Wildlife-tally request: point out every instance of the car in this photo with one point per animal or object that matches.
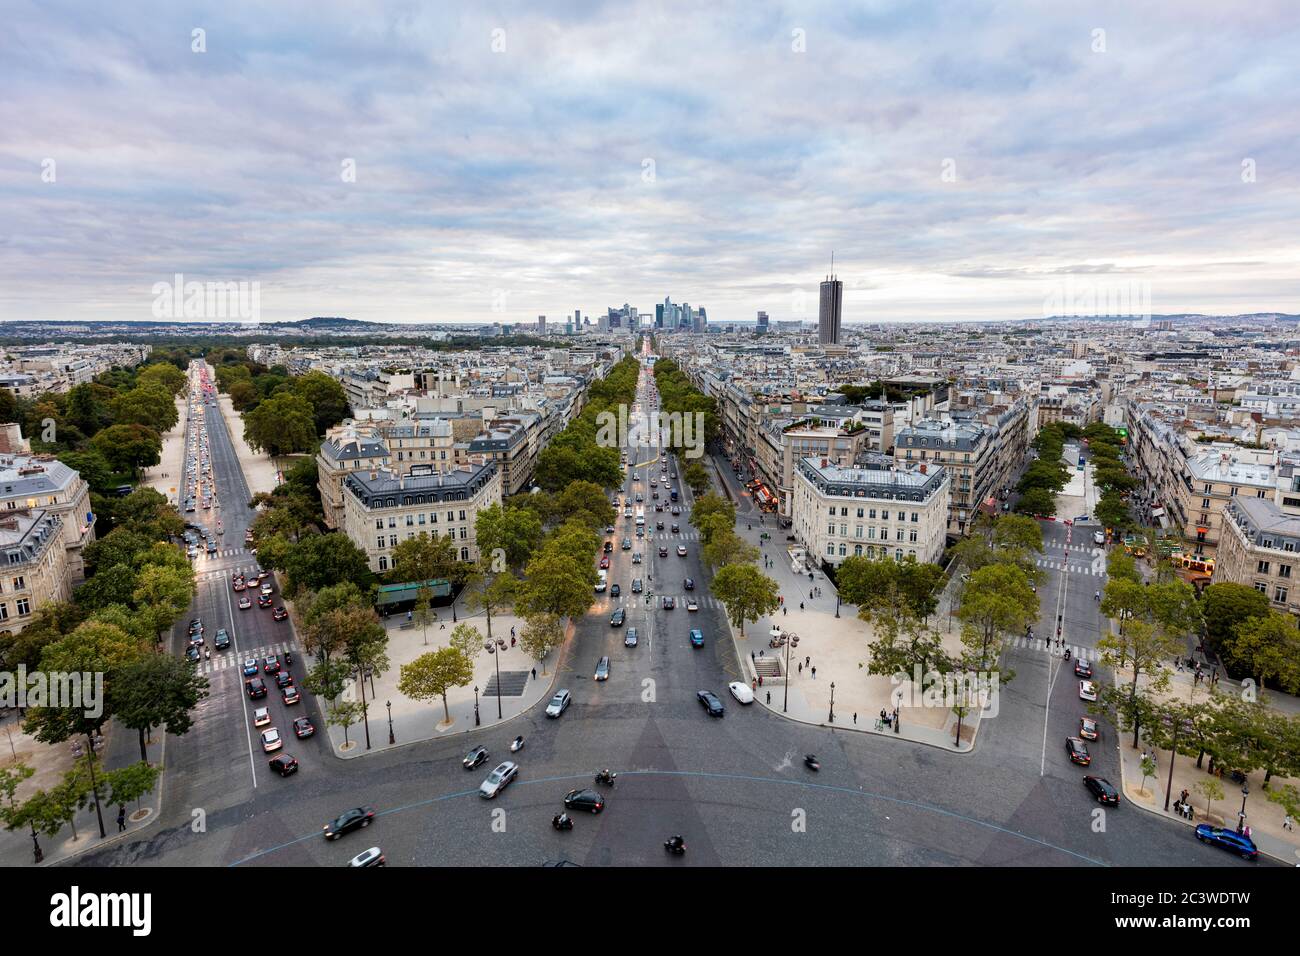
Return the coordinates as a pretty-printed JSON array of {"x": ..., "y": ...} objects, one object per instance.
[
  {"x": 636, "y": 557},
  {"x": 222, "y": 640},
  {"x": 617, "y": 618},
  {"x": 692, "y": 604},
  {"x": 659, "y": 526},
  {"x": 627, "y": 544},
  {"x": 372, "y": 857},
  {"x": 284, "y": 764},
  {"x": 271, "y": 740},
  {"x": 1088, "y": 729},
  {"x": 355, "y": 819},
  {"x": 500, "y": 778},
  {"x": 271, "y": 665},
  {"x": 1098, "y": 538},
  {"x": 637, "y": 586},
  {"x": 604, "y": 563},
  {"x": 615, "y": 590},
  {"x": 609, "y": 528},
  {"x": 640, "y": 497},
  {"x": 681, "y": 551},
  {"x": 636, "y": 476},
  {"x": 669, "y": 602},
  {"x": 609, "y": 547},
  {"x": 1100, "y": 788},
  {"x": 709, "y": 701},
  {"x": 193, "y": 654},
  {"x": 675, "y": 528},
  {"x": 239, "y": 585},
  {"x": 689, "y": 584},
  {"x": 629, "y": 639},
  {"x": 741, "y": 691},
  {"x": 640, "y": 533},
  {"x": 303, "y": 728},
  {"x": 261, "y": 716},
  {"x": 697, "y": 637},
  {"x": 588, "y": 800},
  {"x": 601, "y": 585},
  {"x": 1077, "y": 751},
  {"x": 279, "y": 614},
  {"x": 264, "y": 600},
  {"x": 559, "y": 703},
  {"x": 250, "y": 667},
  {"x": 1229, "y": 840},
  {"x": 1087, "y": 690},
  {"x": 291, "y": 695},
  {"x": 663, "y": 551},
  {"x": 256, "y": 688},
  {"x": 283, "y": 679},
  {"x": 245, "y": 603},
  {"x": 474, "y": 758},
  {"x": 267, "y": 588},
  {"x": 1082, "y": 668},
  {"x": 602, "y": 669}
]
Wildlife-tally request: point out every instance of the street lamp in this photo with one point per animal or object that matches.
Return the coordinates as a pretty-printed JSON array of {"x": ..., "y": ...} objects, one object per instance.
[
  {"x": 832, "y": 702},
  {"x": 391, "y": 739},
  {"x": 837, "y": 603},
  {"x": 476, "y": 705},
  {"x": 1241, "y": 815}
]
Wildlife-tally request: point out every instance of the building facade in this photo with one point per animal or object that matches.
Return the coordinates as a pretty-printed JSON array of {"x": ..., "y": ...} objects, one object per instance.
[{"x": 35, "y": 569}]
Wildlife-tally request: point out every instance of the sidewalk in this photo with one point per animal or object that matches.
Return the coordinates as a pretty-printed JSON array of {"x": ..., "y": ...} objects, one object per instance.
[
  {"x": 1264, "y": 816},
  {"x": 837, "y": 648},
  {"x": 415, "y": 721},
  {"x": 167, "y": 476}
]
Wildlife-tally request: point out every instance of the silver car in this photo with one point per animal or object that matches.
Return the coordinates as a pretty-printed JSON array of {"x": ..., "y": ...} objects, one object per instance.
[
  {"x": 602, "y": 669},
  {"x": 498, "y": 779},
  {"x": 559, "y": 703}
]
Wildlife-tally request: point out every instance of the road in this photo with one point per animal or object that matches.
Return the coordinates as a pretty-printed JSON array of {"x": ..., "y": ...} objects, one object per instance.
[{"x": 735, "y": 787}]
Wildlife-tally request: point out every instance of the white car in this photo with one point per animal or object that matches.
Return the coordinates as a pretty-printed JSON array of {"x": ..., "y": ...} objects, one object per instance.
[
  {"x": 271, "y": 741},
  {"x": 261, "y": 716},
  {"x": 559, "y": 703},
  {"x": 741, "y": 691},
  {"x": 498, "y": 779},
  {"x": 1098, "y": 537},
  {"x": 691, "y": 605},
  {"x": 1087, "y": 690},
  {"x": 681, "y": 550}
]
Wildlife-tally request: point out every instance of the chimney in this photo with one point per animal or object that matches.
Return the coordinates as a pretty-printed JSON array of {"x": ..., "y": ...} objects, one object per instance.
[{"x": 923, "y": 466}]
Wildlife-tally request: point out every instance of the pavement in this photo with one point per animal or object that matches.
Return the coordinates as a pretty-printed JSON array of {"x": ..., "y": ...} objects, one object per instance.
[
  {"x": 167, "y": 476},
  {"x": 524, "y": 683}
]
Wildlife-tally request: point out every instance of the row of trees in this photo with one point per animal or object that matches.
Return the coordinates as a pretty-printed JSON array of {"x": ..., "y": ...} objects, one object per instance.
[
  {"x": 282, "y": 414},
  {"x": 1251, "y": 637},
  {"x": 581, "y": 452},
  {"x": 744, "y": 590},
  {"x": 677, "y": 396}
]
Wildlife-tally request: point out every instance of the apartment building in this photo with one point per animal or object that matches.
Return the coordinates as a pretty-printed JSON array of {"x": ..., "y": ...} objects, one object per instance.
[
  {"x": 382, "y": 508},
  {"x": 34, "y": 571},
  {"x": 513, "y": 442},
  {"x": 31, "y": 482},
  {"x": 346, "y": 449},
  {"x": 1259, "y": 546},
  {"x": 875, "y": 509},
  {"x": 968, "y": 450},
  {"x": 1211, "y": 478},
  {"x": 783, "y": 443}
]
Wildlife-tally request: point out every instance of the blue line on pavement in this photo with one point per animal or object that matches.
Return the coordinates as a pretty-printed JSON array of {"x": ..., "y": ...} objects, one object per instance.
[{"x": 715, "y": 776}]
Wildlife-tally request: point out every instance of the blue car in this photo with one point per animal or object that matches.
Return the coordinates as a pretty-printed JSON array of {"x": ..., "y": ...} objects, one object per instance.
[
  {"x": 250, "y": 667},
  {"x": 697, "y": 637},
  {"x": 1229, "y": 840}
]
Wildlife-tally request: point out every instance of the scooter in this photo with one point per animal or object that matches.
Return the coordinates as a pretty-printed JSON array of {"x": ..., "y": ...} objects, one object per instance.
[
  {"x": 561, "y": 821},
  {"x": 811, "y": 762},
  {"x": 675, "y": 845},
  {"x": 605, "y": 777},
  {"x": 288, "y": 657},
  {"x": 517, "y": 745}
]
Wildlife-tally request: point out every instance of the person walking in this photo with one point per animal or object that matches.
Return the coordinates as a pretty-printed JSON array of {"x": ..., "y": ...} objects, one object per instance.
[
  {"x": 855, "y": 718},
  {"x": 807, "y": 661},
  {"x": 785, "y": 611},
  {"x": 883, "y": 716},
  {"x": 534, "y": 673},
  {"x": 801, "y": 605},
  {"x": 801, "y": 669},
  {"x": 814, "y": 673},
  {"x": 1288, "y": 823},
  {"x": 121, "y": 817},
  {"x": 769, "y": 697}
]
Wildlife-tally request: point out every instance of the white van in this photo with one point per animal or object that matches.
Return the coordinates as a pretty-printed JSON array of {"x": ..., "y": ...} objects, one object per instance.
[
  {"x": 640, "y": 517},
  {"x": 603, "y": 582}
]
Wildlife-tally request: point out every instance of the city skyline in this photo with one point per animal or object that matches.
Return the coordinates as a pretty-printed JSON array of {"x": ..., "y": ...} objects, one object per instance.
[{"x": 971, "y": 182}]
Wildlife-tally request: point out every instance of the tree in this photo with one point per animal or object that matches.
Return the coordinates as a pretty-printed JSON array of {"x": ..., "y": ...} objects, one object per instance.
[
  {"x": 113, "y": 585},
  {"x": 163, "y": 594},
  {"x": 1015, "y": 532},
  {"x": 998, "y": 601},
  {"x": 1211, "y": 789},
  {"x": 129, "y": 784},
  {"x": 326, "y": 398},
  {"x": 1227, "y": 605},
  {"x": 128, "y": 448},
  {"x": 727, "y": 547},
  {"x": 345, "y": 714},
  {"x": 559, "y": 580},
  {"x": 1144, "y": 649},
  {"x": 319, "y": 560},
  {"x": 158, "y": 690},
  {"x": 423, "y": 559},
  {"x": 280, "y": 425},
  {"x": 1123, "y": 600},
  {"x": 467, "y": 639},
  {"x": 1269, "y": 648},
  {"x": 709, "y": 505},
  {"x": 584, "y": 501},
  {"x": 91, "y": 466},
  {"x": 433, "y": 674},
  {"x": 1037, "y": 501},
  {"x": 541, "y": 633},
  {"x": 514, "y": 533},
  {"x": 243, "y": 395},
  {"x": 150, "y": 405},
  {"x": 696, "y": 477},
  {"x": 1121, "y": 565},
  {"x": 1112, "y": 511},
  {"x": 488, "y": 591},
  {"x": 746, "y": 592}
]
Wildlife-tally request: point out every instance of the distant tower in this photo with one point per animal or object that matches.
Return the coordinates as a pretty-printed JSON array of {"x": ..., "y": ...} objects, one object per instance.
[
  {"x": 828, "y": 315},
  {"x": 762, "y": 323},
  {"x": 541, "y": 325}
]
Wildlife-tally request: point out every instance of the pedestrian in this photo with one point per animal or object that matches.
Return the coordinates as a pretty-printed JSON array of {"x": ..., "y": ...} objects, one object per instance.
[
  {"x": 855, "y": 718},
  {"x": 785, "y": 610},
  {"x": 121, "y": 817},
  {"x": 408, "y": 615},
  {"x": 753, "y": 684},
  {"x": 814, "y": 673},
  {"x": 801, "y": 605},
  {"x": 512, "y": 632},
  {"x": 751, "y": 656},
  {"x": 883, "y": 716},
  {"x": 512, "y": 640},
  {"x": 534, "y": 673},
  {"x": 807, "y": 660},
  {"x": 801, "y": 669},
  {"x": 760, "y": 680},
  {"x": 810, "y": 595},
  {"x": 769, "y": 697},
  {"x": 1288, "y": 823}
]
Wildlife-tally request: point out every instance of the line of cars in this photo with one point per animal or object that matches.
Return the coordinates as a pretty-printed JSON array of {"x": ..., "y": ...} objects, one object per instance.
[
  {"x": 262, "y": 580},
  {"x": 256, "y": 675}
]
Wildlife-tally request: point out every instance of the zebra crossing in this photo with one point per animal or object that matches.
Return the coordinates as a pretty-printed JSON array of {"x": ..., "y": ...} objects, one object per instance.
[
  {"x": 228, "y": 659},
  {"x": 680, "y": 600},
  {"x": 1069, "y": 567},
  {"x": 1077, "y": 651}
]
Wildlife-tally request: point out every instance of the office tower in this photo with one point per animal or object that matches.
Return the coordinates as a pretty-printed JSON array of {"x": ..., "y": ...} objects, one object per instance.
[
  {"x": 541, "y": 325},
  {"x": 659, "y": 315},
  {"x": 828, "y": 314},
  {"x": 762, "y": 323},
  {"x": 700, "y": 321}
]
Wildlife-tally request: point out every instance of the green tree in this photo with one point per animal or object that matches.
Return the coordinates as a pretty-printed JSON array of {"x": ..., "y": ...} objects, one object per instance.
[
  {"x": 431, "y": 675},
  {"x": 1269, "y": 649},
  {"x": 727, "y": 547},
  {"x": 746, "y": 592},
  {"x": 326, "y": 398},
  {"x": 1143, "y": 649},
  {"x": 707, "y": 506},
  {"x": 158, "y": 690},
  {"x": 149, "y": 405},
  {"x": 1225, "y": 606},
  {"x": 319, "y": 560},
  {"x": 514, "y": 533},
  {"x": 129, "y": 784},
  {"x": 696, "y": 477},
  {"x": 1037, "y": 501},
  {"x": 1112, "y": 511},
  {"x": 998, "y": 602},
  {"x": 542, "y": 632},
  {"x": 128, "y": 448},
  {"x": 345, "y": 714},
  {"x": 283, "y": 424}
]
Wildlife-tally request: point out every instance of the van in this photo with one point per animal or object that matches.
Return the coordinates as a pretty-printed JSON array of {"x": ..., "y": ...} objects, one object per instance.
[{"x": 603, "y": 581}]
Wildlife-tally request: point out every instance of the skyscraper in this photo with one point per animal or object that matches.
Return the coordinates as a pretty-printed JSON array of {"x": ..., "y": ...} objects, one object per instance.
[
  {"x": 659, "y": 315},
  {"x": 762, "y": 323},
  {"x": 828, "y": 314},
  {"x": 541, "y": 325}
]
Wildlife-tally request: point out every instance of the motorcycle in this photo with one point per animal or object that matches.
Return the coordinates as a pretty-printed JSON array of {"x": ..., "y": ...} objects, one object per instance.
[
  {"x": 811, "y": 762},
  {"x": 517, "y": 745},
  {"x": 605, "y": 777},
  {"x": 288, "y": 657},
  {"x": 675, "y": 845},
  {"x": 561, "y": 821}
]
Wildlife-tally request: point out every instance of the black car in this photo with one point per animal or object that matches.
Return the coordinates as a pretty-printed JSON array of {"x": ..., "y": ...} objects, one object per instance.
[
  {"x": 615, "y": 590},
  {"x": 709, "y": 701},
  {"x": 303, "y": 727},
  {"x": 689, "y": 584},
  {"x": 256, "y": 688},
  {"x": 349, "y": 820},
  {"x": 617, "y": 618},
  {"x": 283, "y": 679},
  {"x": 1082, "y": 669},
  {"x": 271, "y": 665},
  {"x": 193, "y": 654},
  {"x": 588, "y": 800},
  {"x": 222, "y": 640},
  {"x": 1077, "y": 751},
  {"x": 663, "y": 551},
  {"x": 669, "y": 602},
  {"x": 474, "y": 758},
  {"x": 284, "y": 765},
  {"x": 1102, "y": 790}
]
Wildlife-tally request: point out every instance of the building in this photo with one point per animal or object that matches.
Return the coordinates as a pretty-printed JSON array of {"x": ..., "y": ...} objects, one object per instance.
[
  {"x": 541, "y": 325},
  {"x": 828, "y": 313},
  {"x": 35, "y": 567},
  {"x": 1260, "y": 546},
  {"x": 345, "y": 449},
  {"x": 513, "y": 442},
  {"x": 31, "y": 482},
  {"x": 1213, "y": 477},
  {"x": 762, "y": 323},
  {"x": 382, "y": 508},
  {"x": 875, "y": 509},
  {"x": 967, "y": 450}
]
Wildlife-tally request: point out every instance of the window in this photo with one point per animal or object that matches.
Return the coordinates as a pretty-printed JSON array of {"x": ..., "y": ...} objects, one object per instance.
[
  {"x": 462, "y": 514},
  {"x": 464, "y": 554},
  {"x": 830, "y": 529},
  {"x": 872, "y": 513},
  {"x": 1261, "y": 587},
  {"x": 1261, "y": 493},
  {"x": 1279, "y": 595},
  {"x": 421, "y": 517},
  {"x": 860, "y": 512},
  {"x": 871, "y": 532},
  {"x": 911, "y": 536},
  {"x": 857, "y": 531},
  {"x": 1284, "y": 570},
  {"x": 1262, "y": 567},
  {"x": 379, "y": 541},
  {"x": 392, "y": 540},
  {"x": 1205, "y": 502},
  {"x": 25, "y": 606},
  {"x": 410, "y": 521},
  {"x": 844, "y": 512},
  {"x": 1208, "y": 489},
  {"x": 463, "y": 533},
  {"x": 20, "y": 583},
  {"x": 379, "y": 523},
  {"x": 898, "y": 535},
  {"x": 916, "y": 516},
  {"x": 383, "y": 563},
  {"x": 392, "y": 521},
  {"x": 857, "y": 550},
  {"x": 844, "y": 530},
  {"x": 832, "y": 511},
  {"x": 843, "y": 549},
  {"x": 4, "y": 610},
  {"x": 830, "y": 550}
]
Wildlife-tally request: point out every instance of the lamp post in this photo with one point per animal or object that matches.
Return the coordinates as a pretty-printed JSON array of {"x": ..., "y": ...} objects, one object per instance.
[
  {"x": 785, "y": 706},
  {"x": 476, "y": 705},
  {"x": 1241, "y": 815},
  {"x": 832, "y": 702},
  {"x": 837, "y": 603},
  {"x": 391, "y": 739}
]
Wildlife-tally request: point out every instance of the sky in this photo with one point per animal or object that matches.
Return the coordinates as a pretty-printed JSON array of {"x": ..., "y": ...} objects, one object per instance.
[{"x": 480, "y": 162}]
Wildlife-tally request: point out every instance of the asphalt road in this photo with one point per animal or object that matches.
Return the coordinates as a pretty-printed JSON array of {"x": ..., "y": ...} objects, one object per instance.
[{"x": 735, "y": 787}]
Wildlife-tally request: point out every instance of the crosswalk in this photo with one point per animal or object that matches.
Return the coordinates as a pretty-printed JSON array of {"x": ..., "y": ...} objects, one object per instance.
[
  {"x": 1070, "y": 567},
  {"x": 629, "y": 600},
  {"x": 228, "y": 659},
  {"x": 1077, "y": 651}
]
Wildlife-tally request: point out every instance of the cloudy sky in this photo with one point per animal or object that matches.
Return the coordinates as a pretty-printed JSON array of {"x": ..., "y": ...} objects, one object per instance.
[{"x": 491, "y": 162}]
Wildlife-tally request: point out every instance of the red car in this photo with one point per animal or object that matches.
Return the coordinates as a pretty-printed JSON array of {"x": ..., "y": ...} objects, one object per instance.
[
  {"x": 264, "y": 600},
  {"x": 604, "y": 563},
  {"x": 279, "y": 614}
]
